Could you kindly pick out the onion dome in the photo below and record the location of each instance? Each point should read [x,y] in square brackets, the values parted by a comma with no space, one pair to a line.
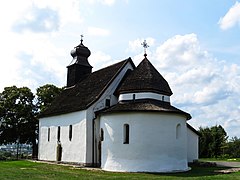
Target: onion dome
[80,54]
[79,68]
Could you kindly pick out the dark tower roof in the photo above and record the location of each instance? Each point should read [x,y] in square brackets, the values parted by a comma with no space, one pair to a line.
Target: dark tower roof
[80,67]
[145,78]
[80,55]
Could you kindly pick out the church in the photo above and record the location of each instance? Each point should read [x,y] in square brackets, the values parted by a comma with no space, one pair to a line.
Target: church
[119,118]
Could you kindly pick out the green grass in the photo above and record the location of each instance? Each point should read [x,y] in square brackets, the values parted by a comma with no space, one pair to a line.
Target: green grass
[35,170]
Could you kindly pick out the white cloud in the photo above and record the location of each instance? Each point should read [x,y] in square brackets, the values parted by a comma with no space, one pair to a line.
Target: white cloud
[95,31]
[203,85]
[68,10]
[30,55]
[99,59]
[104,2]
[136,45]
[231,18]
[108,2]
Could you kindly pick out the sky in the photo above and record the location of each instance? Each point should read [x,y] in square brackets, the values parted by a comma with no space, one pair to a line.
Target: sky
[194,44]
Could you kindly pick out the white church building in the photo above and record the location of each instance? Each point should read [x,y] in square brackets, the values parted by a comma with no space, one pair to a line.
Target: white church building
[119,118]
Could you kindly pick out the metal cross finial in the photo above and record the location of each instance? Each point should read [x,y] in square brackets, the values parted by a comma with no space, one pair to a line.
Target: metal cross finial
[81,38]
[145,46]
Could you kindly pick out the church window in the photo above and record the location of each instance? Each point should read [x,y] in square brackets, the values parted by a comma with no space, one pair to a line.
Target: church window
[102,135]
[126,134]
[48,134]
[70,132]
[58,134]
[107,103]
[178,131]
[134,97]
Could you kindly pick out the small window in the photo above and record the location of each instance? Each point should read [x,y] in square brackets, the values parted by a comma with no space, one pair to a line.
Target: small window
[48,134]
[134,97]
[178,131]
[70,132]
[58,134]
[107,103]
[126,134]
[162,98]
[102,135]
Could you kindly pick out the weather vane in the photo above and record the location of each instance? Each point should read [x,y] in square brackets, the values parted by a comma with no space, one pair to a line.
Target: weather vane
[145,46]
[81,38]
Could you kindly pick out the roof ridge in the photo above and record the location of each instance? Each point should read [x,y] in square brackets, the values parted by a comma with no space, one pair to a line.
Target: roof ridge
[109,82]
[112,65]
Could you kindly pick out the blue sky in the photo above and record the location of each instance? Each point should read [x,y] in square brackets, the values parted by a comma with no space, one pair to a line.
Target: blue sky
[193,44]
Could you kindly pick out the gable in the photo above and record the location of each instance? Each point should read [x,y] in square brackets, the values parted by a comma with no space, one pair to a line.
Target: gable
[85,92]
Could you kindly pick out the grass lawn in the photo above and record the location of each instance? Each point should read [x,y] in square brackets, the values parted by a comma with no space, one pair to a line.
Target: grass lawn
[35,170]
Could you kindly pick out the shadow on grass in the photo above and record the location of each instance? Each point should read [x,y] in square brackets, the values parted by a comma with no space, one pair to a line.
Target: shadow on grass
[196,171]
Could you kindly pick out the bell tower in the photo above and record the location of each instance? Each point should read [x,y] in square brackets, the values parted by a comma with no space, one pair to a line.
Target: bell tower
[80,67]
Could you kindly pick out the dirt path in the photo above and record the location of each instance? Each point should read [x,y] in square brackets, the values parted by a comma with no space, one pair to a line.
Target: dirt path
[227,164]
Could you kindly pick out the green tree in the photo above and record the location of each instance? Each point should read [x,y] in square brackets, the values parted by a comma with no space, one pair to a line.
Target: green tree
[18,123]
[45,95]
[211,141]
[18,113]
[233,148]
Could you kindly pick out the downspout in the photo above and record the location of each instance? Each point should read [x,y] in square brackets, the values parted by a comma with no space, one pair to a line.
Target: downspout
[93,141]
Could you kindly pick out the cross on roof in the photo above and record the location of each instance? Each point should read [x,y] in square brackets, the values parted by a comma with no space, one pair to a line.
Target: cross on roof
[145,46]
[81,38]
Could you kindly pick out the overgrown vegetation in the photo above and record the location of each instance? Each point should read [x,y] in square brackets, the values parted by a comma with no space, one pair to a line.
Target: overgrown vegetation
[33,170]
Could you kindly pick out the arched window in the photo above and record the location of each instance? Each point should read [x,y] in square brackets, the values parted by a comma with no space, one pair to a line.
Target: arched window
[58,134]
[48,134]
[178,131]
[102,135]
[134,97]
[70,132]
[126,134]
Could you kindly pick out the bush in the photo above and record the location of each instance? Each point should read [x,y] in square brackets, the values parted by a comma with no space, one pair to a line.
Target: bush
[5,156]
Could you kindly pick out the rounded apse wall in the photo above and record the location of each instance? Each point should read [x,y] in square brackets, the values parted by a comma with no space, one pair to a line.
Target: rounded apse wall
[156,142]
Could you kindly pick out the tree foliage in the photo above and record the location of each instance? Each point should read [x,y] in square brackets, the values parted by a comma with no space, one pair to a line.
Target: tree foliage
[233,148]
[212,141]
[45,95]
[18,121]
[18,113]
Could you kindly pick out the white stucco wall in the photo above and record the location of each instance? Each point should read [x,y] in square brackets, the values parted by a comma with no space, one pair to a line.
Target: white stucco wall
[153,145]
[72,151]
[144,95]
[192,145]
[80,149]
[98,105]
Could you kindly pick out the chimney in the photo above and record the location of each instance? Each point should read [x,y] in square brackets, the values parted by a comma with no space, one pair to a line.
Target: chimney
[80,67]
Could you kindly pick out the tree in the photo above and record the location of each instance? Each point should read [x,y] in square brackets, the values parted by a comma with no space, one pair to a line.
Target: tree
[18,122]
[233,148]
[18,114]
[45,95]
[212,140]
